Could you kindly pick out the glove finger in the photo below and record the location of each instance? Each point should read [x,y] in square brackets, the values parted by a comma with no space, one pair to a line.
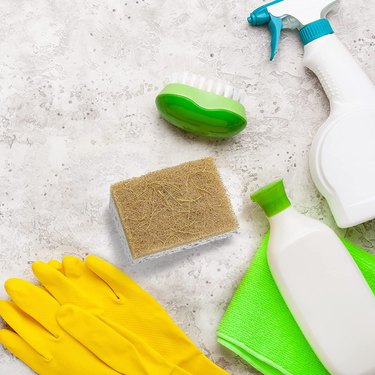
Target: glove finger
[101,340]
[17,346]
[56,265]
[29,331]
[117,280]
[73,267]
[77,271]
[35,302]
[63,289]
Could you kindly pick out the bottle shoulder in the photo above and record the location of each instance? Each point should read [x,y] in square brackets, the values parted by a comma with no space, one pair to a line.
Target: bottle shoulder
[292,226]
[292,220]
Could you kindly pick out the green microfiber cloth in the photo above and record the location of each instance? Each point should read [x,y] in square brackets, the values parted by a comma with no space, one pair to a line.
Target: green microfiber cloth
[259,327]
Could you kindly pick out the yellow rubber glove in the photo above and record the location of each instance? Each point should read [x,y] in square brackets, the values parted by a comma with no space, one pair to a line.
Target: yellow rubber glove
[98,286]
[61,340]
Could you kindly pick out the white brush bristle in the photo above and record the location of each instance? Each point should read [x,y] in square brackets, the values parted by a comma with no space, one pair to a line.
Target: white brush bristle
[217,86]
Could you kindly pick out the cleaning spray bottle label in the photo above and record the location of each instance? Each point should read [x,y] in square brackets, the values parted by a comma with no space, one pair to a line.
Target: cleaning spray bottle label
[342,155]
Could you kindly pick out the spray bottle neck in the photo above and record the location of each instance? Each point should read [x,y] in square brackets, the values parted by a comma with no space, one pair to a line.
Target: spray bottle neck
[315,30]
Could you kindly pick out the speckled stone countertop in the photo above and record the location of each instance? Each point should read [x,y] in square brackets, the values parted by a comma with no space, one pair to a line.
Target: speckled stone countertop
[78,81]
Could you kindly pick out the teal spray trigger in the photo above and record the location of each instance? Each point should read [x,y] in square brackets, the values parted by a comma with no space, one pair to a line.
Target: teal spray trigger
[262,16]
[342,156]
[293,14]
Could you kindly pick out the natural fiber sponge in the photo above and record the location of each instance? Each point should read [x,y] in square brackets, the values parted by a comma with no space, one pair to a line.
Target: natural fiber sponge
[172,209]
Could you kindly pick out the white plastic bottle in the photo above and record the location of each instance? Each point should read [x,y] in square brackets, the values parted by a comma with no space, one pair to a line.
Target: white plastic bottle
[342,157]
[322,286]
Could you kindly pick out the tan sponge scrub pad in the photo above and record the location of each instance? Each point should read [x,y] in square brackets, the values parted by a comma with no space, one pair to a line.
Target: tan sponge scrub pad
[172,209]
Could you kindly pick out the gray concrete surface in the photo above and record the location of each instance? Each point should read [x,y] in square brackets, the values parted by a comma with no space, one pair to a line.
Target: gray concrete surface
[78,81]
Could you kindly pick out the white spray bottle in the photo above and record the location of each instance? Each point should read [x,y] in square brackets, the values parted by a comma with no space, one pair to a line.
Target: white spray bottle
[342,158]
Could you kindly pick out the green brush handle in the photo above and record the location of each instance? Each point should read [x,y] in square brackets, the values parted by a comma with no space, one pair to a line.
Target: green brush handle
[201,112]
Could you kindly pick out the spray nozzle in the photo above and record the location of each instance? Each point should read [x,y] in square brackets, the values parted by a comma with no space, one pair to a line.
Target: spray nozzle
[260,16]
[293,14]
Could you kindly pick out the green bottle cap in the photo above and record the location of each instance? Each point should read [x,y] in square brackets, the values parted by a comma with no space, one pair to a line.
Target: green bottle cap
[272,198]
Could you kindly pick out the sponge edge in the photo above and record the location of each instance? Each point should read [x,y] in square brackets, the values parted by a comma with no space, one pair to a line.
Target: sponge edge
[171,210]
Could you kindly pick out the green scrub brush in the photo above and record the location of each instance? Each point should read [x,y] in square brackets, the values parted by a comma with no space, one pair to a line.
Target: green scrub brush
[210,108]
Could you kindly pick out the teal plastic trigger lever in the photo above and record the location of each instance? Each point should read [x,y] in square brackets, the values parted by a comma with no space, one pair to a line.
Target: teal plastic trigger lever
[261,16]
[275,25]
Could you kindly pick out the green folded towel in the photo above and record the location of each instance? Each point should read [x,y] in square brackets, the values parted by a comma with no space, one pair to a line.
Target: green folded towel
[259,327]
